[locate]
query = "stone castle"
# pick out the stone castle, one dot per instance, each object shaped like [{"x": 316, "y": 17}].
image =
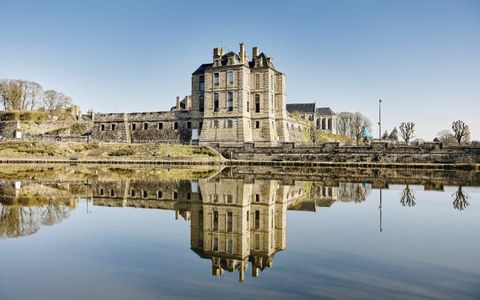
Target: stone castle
[{"x": 234, "y": 100}]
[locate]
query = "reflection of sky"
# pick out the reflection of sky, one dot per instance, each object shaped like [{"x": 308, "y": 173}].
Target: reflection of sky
[{"x": 427, "y": 251}]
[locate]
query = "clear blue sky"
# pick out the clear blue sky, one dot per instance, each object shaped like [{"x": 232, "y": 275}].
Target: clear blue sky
[{"x": 421, "y": 57}]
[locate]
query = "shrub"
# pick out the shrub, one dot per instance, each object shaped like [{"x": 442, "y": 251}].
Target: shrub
[{"x": 122, "y": 152}]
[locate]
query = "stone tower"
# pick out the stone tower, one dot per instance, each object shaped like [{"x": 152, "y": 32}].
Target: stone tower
[{"x": 239, "y": 100}]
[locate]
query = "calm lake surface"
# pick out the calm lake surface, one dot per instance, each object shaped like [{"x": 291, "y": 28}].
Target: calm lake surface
[{"x": 123, "y": 234}]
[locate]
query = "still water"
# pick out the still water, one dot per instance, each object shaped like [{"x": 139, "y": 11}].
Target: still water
[{"x": 154, "y": 234}]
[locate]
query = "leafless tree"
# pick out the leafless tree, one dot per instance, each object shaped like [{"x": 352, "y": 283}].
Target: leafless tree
[
  {"x": 460, "y": 199},
  {"x": 53, "y": 100},
  {"x": 344, "y": 121},
  {"x": 10, "y": 94},
  {"x": 460, "y": 131},
  {"x": 446, "y": 137},
  {"x": 408, "y": 197},
  {"x": 358, "y": 126},
  {"x": 407, "y": 131}
]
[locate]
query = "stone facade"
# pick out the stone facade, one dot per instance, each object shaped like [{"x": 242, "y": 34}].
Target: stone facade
[
  {"x": 234, "y": 100},
  {"x": 322, "y": 118}
]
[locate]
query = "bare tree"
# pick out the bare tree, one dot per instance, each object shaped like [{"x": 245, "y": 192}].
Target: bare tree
[
  {"x": 344, "y": 123},
  {"x": 359, "y": 126},
  {"x": 460, "y": 202},
  {"x": 10, "y": 94},
  {"x": 53, "y": 100},
  {"x": 446, "y": 137},
  {"x": 460, "y": 131},
  {"x": 407, "y": 131},
  {"x": 408, "y": 197}
]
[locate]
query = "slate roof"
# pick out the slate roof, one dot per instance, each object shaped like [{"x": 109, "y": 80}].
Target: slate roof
[
  {"x": 325, "y": 111},
  {"x": 202, "y": 68},
  {"x": 301, "y": 107}
]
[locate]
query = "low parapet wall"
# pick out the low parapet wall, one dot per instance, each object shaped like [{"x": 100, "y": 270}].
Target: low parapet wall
[{"x": 377, "y": 152}]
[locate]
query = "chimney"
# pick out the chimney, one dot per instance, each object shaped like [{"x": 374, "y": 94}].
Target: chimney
[
  {"x": 242, "y": 53},
  {"x": 216, "y": 52},
  {"x": 255, "y": 52},
  {"x": 178, "y": 103},
  {"x": 222, "y": 51}
]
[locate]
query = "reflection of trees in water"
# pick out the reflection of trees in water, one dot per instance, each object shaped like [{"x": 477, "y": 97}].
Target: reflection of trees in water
[
  {"x": 17, "y": 220},
  {"x": 460, "y": 199},
  {"x": 408, "y": 197},
  {"x": 356, "y": 192}
]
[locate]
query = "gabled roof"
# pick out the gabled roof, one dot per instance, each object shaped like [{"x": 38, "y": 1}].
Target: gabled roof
[
  {"x": 325, "y": 111},
  {"x": 301, "y": 108}
]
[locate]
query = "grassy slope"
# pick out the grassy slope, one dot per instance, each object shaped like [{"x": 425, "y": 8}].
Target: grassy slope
[{"x": 104, "y": 150}]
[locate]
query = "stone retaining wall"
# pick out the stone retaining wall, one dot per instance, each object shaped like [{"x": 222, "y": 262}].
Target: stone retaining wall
[{"x": 377, "y": 152}]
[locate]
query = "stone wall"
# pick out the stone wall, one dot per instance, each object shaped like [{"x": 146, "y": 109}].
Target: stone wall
[
  {"x": 167, "y": 127},
  {"x": 377, "y": 152}
]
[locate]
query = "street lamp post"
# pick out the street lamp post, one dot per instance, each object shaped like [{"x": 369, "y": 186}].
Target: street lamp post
[{"x": 380, "y": 119}]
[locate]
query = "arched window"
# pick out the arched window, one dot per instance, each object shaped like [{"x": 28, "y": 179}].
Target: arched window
[
  {"x": 329, "y": 124},
  {"x": 318, "y": 123},
  {"x": 324, "y": 125}
]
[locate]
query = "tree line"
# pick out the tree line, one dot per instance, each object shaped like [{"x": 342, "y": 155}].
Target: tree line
[
  {"x": 24, "y": 95},
  {"x": 459, "y": 133}
]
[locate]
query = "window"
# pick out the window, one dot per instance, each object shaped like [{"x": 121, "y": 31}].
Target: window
[
  {"x": 189, "y": 196},
  {"x": 228, "y": 198},
  {"x": 230, "y": 77},
  {"x": 159, "y": 194},
  {"x": 248, "y": 216},
  {"x": 257, "y": 81},
  {"x": 230, "y": 246},
  {"x": 112, "y": 127},
  {"x": 145, "y": 126},
  {"x": 189, "y": 125},
  {"x": 215, "y": 244},
  {"x": 112, "y": 193},
  {"x": 273, "y": 104},
  {"x": 229, "y": 221},
  {"x": 101, "y": 192},
  {"x": 324, "y": 124},
  {"x": 160, "y": 126},
  {"x": 215, "y": 123},
  {"x": 271, "y": 80},
  {"x": 215, "y": 101},
  {"x": 230, "y": 101},
  {"x": 257, "y": 219},
  {"x": 248, "y": 106},
  {"x": 229, "y": 124},
  {"x": 175, "y": 195},
  {"x": 201, "y": 103},
  {"x": 132, "y": 193},
  {"x": 134, "y": 126},
  {"x": 257, "y": 198},
  {"x": 175, "y": 125},
  {"x": 329, "y": 124},
  {"x": 102, "y": 127},
  {"x": 201, "y": 83},
  {"x": 257, "y": 103},
  {"x": 216, "y": 79},
  {"x": 144, "y": 194},
  {"x": 215, "y": 220},
  {"x": 257, "y": 124}
]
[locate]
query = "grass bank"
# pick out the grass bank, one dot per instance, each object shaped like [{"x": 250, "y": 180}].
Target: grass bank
[{"x": 105, "y": 151}]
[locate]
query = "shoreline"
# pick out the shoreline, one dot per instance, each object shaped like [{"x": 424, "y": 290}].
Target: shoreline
[{"x": 247, "y": 163}]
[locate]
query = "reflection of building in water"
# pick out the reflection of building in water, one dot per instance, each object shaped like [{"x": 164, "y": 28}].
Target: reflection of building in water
[
  {"x": 234, "y": 222},
  {"x": 25, "y": 207}
]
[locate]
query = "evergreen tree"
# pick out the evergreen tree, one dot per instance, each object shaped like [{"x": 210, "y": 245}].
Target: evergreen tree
[
  {"x": 394, "y": 135},
  {"x": 385, "y": 135}
]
